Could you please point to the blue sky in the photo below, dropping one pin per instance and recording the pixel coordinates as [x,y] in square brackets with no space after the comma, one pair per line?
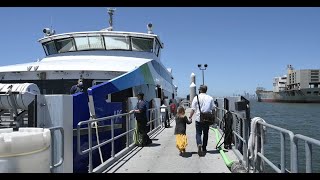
[243,47]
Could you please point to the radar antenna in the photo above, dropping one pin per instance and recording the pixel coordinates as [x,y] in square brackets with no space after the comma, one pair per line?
[110,12]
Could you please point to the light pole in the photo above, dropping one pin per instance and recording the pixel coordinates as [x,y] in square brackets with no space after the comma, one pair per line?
[205,67]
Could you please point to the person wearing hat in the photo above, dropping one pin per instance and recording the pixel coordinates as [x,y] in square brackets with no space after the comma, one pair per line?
[78,87]
[140,113]
[207,105]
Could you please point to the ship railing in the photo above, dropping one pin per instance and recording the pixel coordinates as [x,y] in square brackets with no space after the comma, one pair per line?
[293,146]
[154,120]
[240,133]
[241,129]
[308,150]
[258,163]
[154,114]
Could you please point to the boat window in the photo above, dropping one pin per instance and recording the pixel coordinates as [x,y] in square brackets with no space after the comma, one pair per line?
[85,43]
[50,48]
[65,45]
[82,43]
[96,42]
[142,44]
[116,43]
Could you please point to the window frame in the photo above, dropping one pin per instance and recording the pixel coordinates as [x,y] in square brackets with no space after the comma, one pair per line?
[62,39]
[135,37]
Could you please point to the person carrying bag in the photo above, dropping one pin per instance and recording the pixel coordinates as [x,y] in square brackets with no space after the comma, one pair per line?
[206,117]
[202,106]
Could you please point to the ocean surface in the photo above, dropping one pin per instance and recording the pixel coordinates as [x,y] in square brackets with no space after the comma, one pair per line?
[300,118]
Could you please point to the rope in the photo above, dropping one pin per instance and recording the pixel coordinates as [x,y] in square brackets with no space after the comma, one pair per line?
[253,140]
[97,135]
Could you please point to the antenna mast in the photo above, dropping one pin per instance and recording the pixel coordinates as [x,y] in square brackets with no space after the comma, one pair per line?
[110,12]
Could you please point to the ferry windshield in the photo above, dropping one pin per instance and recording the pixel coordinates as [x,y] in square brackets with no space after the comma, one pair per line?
[87,43]
[117,43]
[65,45]
[142,44]
[101,42]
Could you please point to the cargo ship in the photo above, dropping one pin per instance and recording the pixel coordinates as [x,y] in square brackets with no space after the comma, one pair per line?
[297,86]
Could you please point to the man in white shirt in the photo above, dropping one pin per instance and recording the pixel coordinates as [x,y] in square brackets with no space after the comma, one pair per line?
[207,105]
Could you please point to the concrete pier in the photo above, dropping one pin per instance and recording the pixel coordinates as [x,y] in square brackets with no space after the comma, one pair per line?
[163,157]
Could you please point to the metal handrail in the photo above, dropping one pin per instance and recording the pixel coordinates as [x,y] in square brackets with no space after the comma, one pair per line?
[150,116]
[90,148]
[235,133]
[308,148]
[293,155]
[112,139]
[89,123]
[61,159]
[283,133]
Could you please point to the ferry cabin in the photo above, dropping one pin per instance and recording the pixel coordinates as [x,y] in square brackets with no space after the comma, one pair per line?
[95,56]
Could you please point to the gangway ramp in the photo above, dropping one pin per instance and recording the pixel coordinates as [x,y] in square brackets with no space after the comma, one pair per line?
[163,157]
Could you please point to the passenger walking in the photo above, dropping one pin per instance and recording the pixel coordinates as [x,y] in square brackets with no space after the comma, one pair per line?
[180,130]
[173,108]
[206,104]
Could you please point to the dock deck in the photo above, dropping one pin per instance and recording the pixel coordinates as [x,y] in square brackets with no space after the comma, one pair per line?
[163,157]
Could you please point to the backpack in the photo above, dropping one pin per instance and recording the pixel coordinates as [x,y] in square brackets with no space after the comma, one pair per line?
[173,107]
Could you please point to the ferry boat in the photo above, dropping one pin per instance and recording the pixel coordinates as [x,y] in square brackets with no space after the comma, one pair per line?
[114,66]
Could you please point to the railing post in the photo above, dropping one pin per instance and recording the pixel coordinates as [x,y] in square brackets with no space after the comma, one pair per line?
[127,129]
[294,155]
[160,117]
[255,161]
[112,137]
[262,147]
[283,155]
[52,150]
[90,147]
[308,148]
[150,120]
[259,146]
[245,133]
